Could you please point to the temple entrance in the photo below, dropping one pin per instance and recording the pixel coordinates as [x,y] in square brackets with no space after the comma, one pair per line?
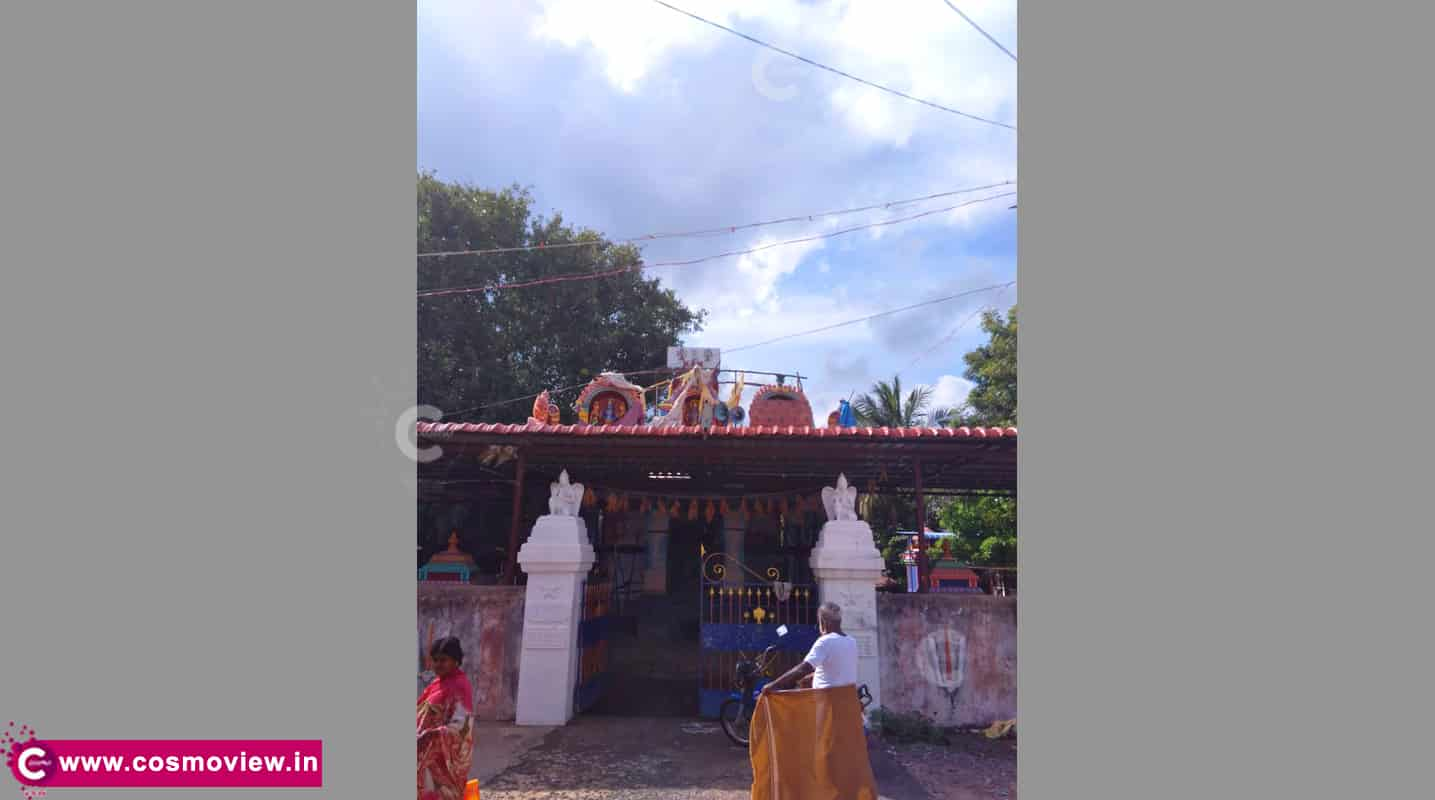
[654,658]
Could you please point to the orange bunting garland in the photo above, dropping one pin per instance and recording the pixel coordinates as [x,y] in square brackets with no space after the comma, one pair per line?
[644,506]
[693,509]
[711,511]
[589,499]
[745,509]
[674,508]
[662,507]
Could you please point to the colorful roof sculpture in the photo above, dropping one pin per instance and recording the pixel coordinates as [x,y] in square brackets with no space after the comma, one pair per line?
[610,399]
[780,406]
[692,398]
[544,411]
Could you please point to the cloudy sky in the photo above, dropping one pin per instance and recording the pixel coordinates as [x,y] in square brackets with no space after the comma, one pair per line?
[630,118]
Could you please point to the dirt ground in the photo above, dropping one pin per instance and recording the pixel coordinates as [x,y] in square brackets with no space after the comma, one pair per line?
[666,758]
[969,768]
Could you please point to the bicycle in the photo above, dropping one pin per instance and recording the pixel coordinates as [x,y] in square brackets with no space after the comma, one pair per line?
[735,714]
[736,711]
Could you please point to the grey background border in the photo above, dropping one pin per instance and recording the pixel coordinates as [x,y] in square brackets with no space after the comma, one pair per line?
[207,324]
[207,318]
[1222,592]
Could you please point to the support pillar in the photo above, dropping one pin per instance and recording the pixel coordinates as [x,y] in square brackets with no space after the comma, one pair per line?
[557,558]
[655,577]
[924,571]
[510,573]
[734,534]
[848,565]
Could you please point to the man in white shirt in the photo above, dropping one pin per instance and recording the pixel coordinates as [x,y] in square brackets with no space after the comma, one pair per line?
[832,661]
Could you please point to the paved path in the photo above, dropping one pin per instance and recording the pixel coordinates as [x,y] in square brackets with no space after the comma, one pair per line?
[605,758]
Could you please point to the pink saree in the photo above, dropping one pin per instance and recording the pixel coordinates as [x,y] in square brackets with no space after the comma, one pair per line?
[445,737]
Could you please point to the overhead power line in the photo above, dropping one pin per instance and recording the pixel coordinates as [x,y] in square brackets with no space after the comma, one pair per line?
[974,24]
[872,316]
[705,232]
[587,276]
[835,71]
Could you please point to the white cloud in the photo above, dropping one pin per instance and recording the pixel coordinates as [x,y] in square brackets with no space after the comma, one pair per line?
[950,391]
[922,49]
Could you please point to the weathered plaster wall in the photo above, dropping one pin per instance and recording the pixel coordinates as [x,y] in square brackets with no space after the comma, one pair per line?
[488,621]
[949,657]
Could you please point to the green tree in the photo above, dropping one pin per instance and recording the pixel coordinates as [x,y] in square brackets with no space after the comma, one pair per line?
[884,405]
[992,370]
[484,347]
[985,529]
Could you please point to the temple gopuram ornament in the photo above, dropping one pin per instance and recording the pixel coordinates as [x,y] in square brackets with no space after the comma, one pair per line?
[780,405]
[610,399]
[564,497]
[840,501]
[545,412]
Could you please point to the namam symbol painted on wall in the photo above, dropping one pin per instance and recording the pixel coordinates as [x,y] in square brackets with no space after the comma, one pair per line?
[942,660]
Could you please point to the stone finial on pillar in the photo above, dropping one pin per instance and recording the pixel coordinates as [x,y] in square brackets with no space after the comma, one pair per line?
[848,565]
[556,558]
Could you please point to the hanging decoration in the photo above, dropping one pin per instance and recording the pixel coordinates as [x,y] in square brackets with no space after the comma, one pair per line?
[711,511]
[589,499]
[693,509]
[745,508]
[662,507]
[644,506]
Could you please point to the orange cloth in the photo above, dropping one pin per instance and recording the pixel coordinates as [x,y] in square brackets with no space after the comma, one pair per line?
[809,745]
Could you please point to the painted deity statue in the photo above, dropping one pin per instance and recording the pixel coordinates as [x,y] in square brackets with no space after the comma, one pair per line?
[545,411]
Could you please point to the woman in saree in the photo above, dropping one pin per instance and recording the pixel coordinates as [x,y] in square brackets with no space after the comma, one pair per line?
[445,725]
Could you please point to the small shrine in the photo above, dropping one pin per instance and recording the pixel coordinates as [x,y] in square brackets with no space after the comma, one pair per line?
[950,575]
[610,399]
[452,564]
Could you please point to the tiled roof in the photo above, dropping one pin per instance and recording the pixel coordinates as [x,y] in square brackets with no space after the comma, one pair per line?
[446,429]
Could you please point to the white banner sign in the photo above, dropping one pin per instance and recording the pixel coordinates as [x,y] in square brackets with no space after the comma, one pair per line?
[705,357]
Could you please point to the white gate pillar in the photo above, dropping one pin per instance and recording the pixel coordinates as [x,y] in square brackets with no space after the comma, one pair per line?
[848,565]
[556,558]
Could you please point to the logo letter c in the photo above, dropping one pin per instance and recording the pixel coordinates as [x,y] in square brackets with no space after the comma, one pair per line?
[22,763]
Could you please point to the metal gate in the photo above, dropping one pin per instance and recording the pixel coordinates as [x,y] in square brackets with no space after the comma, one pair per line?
[594,628]
[740,619]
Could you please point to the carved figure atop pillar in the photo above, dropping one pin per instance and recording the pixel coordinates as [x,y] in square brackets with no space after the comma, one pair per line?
[564,497]
[840,501]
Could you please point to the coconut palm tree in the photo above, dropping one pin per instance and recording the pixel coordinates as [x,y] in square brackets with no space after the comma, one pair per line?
[884,406]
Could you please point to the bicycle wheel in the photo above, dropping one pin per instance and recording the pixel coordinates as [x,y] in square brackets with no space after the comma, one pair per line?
[736,720]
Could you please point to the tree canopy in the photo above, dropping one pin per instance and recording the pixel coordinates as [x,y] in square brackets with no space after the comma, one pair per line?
[884,405]
[992,369]
[485,347]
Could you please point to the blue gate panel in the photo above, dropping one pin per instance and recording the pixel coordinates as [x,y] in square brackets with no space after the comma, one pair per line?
[755,638]
[710,702]
[593,631]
